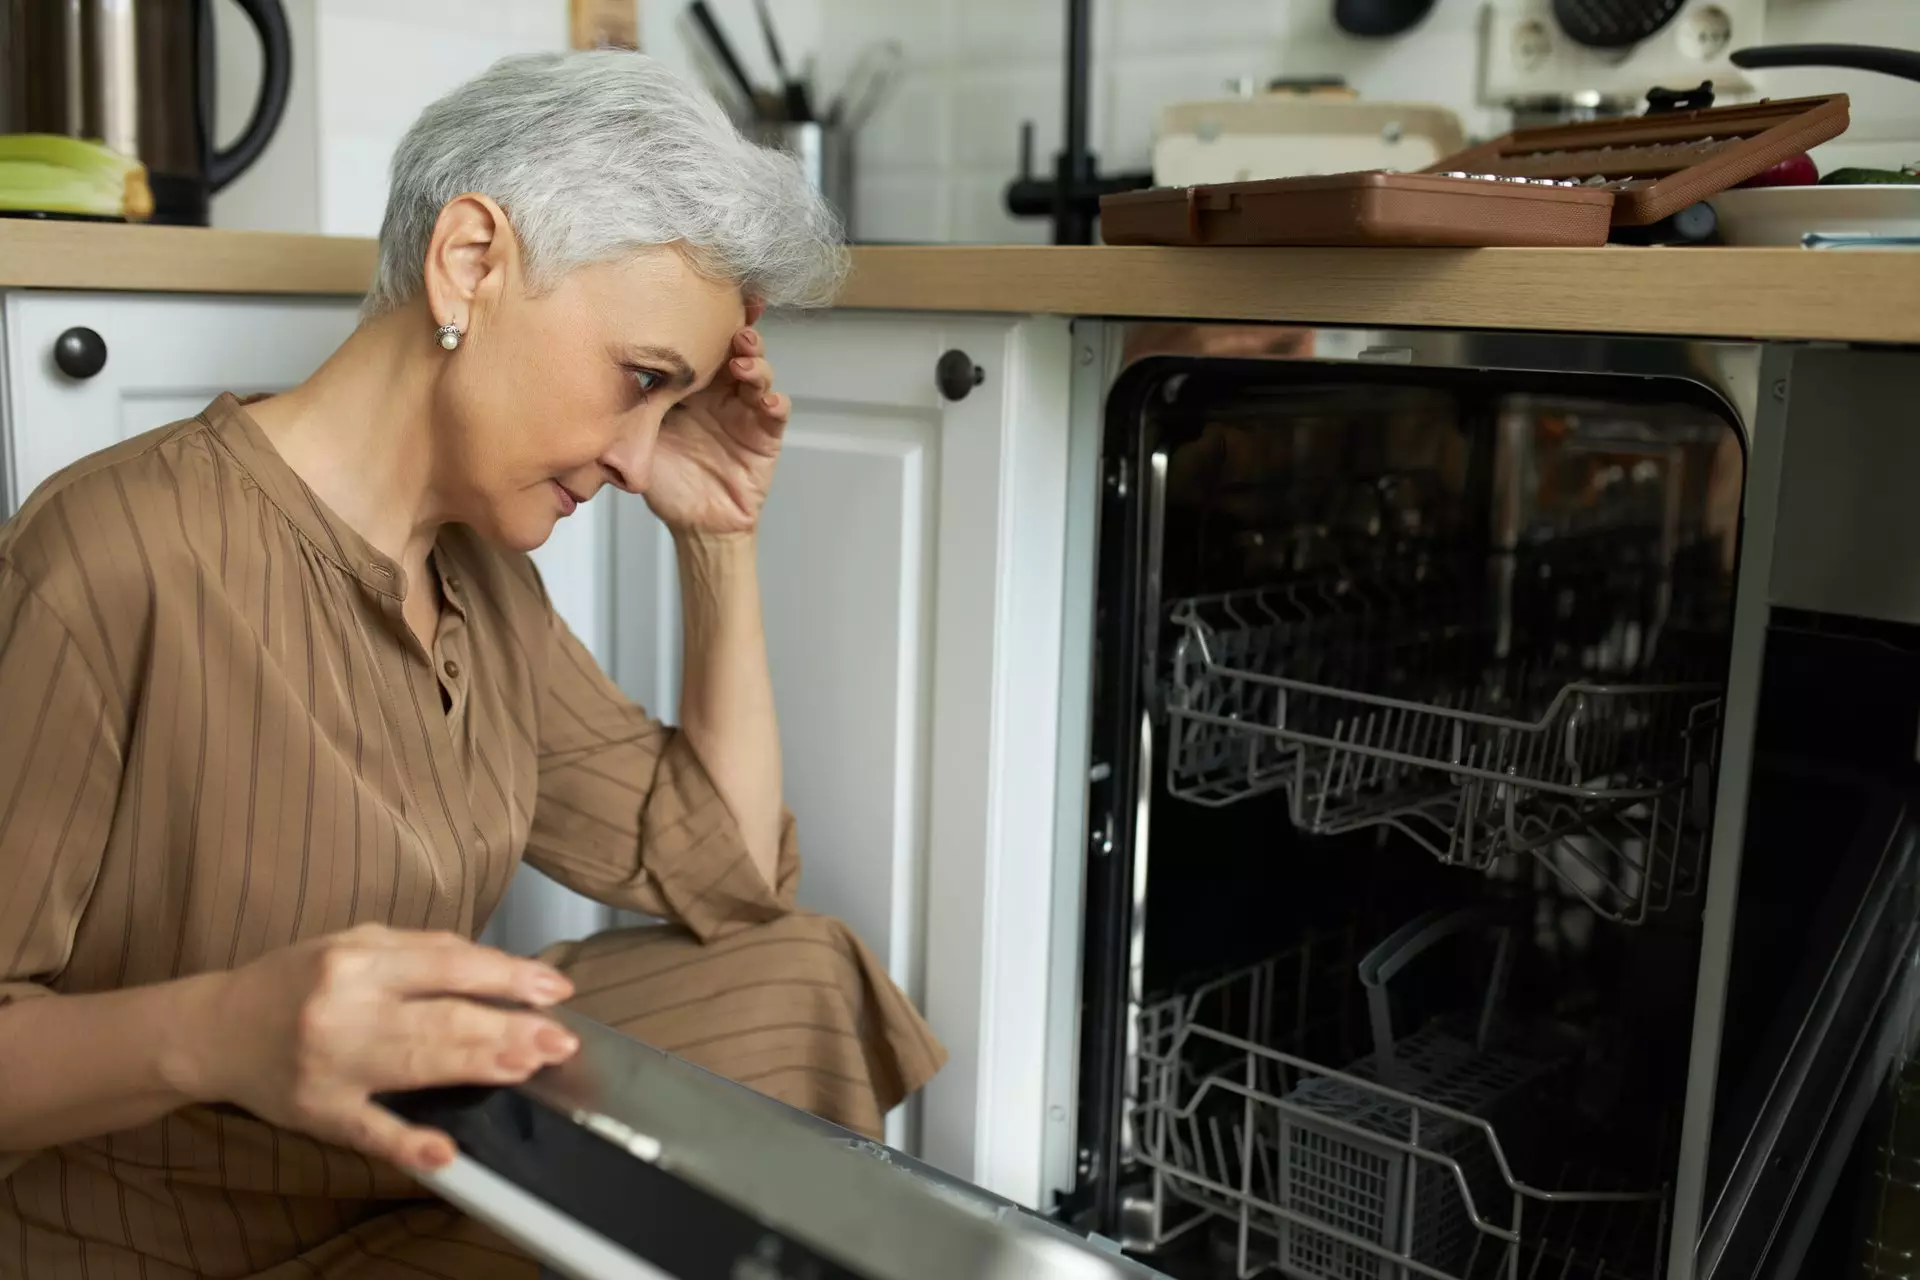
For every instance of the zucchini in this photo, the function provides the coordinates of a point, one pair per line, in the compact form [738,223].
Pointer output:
[1858,177]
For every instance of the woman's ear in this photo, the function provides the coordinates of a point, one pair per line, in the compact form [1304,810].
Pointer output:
[471,256]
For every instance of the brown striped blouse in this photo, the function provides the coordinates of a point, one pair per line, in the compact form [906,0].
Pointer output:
[220,737]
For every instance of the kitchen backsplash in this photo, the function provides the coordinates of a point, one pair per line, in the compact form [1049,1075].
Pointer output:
[935,162]
[363,69]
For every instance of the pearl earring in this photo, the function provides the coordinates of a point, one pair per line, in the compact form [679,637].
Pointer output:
[448,336]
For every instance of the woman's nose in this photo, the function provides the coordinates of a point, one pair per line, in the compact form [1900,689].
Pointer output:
[629,461]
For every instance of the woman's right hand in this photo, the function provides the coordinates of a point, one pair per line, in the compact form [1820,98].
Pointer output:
[304,1037]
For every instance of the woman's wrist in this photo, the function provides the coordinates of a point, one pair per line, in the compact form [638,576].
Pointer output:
[704,542]
[707,559]
[190,1038]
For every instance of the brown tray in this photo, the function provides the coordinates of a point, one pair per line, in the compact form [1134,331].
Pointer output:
[1656,165]
[1563,186]
[1375,208]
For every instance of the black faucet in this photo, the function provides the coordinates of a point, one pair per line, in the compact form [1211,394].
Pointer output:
[1072,196]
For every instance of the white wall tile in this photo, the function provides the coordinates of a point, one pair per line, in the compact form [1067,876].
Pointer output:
[912,129]
[979,214]
[1000,31]
[926,30]
[281,191]
[911,207]
[1177,26]
[381,62]
[989,107]
[353,184]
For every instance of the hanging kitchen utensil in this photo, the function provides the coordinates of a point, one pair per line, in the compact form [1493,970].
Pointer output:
[1904,63]
[1379,17]
[721,48]
[874,74]
[793,92]
[1613,24]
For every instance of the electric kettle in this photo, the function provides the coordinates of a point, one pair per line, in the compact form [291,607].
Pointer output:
[138,75]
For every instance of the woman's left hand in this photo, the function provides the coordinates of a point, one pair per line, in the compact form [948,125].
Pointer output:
[717,448]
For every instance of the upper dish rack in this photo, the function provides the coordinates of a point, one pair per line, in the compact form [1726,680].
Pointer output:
[1577,724]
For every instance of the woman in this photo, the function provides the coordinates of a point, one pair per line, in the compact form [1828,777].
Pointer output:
[287,706]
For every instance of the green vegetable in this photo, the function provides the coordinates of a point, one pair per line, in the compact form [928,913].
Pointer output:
[56,174]
[1872,177]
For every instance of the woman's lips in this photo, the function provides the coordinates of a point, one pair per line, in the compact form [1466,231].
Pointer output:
[568,503]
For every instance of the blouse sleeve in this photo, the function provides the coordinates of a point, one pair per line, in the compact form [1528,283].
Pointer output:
[627,815]
[59,778]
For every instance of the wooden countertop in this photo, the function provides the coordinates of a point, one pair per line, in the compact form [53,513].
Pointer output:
[1834,295]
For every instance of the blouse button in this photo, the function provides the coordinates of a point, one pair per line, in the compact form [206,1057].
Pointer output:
[452,669]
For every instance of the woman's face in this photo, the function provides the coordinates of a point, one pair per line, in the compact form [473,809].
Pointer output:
[551,396]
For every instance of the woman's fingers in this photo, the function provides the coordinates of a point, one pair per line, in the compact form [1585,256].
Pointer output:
[429,1043]
[752,372]
[436,968]
[375,1131]
[775,409]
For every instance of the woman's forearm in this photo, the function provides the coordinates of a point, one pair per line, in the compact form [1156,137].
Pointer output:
[76,1067]
[726,692]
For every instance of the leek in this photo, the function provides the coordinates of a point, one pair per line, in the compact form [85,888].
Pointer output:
[51,173]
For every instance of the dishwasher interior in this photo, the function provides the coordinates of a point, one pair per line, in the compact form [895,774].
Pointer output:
[1410,686]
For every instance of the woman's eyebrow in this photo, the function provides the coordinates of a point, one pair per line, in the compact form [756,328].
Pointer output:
[675,364]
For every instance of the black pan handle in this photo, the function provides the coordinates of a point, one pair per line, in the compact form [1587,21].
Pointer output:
[1904,63]
[276,82]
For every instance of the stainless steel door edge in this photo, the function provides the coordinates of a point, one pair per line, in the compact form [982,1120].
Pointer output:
[565,1246]
[875,1210]
[1845,1014]
[1730,370]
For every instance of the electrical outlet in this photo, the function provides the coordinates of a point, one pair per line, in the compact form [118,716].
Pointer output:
[1525,54]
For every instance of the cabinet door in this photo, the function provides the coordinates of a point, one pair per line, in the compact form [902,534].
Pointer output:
[168,355]
[910,559]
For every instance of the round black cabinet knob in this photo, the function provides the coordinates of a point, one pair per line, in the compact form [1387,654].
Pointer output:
[956,374]
[80,352]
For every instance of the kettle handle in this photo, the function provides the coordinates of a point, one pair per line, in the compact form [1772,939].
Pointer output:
[276,81]
[1850,57]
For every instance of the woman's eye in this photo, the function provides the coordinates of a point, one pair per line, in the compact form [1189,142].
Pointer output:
[646,379]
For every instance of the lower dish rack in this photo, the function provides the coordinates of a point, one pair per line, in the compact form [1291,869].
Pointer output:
[1390,716]
[1388,1168]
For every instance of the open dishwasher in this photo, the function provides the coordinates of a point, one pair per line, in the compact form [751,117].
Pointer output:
[1434,715]
[1497,854]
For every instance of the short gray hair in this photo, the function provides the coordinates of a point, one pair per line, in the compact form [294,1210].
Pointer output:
[597,155]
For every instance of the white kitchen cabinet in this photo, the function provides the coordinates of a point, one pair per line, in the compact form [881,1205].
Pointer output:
[168,355]
[911,560]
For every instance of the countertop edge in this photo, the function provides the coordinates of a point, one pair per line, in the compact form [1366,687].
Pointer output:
[1737,294]
[144,259]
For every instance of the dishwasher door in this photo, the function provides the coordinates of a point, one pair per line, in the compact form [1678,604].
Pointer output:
[1824,987]
[629,1164]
